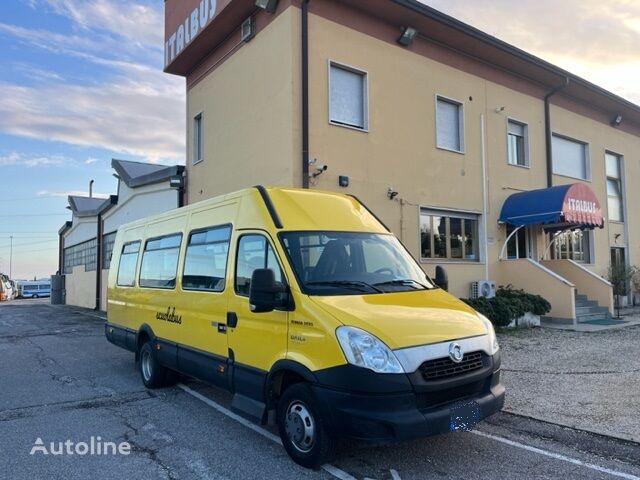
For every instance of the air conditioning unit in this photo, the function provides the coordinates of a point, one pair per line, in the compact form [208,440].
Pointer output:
[483,288]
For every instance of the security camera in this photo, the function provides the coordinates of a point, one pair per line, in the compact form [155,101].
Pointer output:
[319,168]
[391,193]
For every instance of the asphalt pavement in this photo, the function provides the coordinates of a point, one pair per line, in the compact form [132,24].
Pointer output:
[61,381]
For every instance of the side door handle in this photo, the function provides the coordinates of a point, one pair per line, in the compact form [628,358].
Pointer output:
[232,319]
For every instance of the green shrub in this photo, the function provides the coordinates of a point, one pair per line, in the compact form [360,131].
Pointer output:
[509,304]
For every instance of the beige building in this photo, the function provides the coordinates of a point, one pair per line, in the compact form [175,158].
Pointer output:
[86,242]
[430,122]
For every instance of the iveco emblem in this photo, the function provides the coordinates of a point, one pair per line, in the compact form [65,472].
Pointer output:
[455,352]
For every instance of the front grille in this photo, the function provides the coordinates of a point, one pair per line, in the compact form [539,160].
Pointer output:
[445,367]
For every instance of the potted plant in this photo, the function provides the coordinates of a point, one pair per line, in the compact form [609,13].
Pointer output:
[619,276]
[635,281]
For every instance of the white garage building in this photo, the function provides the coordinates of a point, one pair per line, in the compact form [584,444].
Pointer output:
[86,241]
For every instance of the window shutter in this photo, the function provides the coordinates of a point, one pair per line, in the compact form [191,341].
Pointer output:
[569,157]
[448,125]
[347,97]
[516,128]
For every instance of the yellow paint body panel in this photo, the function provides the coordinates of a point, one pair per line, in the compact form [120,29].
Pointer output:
[306,334]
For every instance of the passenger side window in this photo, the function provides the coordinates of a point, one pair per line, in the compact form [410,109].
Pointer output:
[127,267]
[205,263]
[160,262]
[254,251]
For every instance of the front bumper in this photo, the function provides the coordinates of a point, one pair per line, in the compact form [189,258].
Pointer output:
[385,417]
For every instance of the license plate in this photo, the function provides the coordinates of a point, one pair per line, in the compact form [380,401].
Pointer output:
[464,416]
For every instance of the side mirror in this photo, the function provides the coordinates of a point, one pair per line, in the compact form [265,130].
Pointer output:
[266,294]
[442,279]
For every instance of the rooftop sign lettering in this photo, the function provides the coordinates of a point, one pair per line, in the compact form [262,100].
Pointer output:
[189,28]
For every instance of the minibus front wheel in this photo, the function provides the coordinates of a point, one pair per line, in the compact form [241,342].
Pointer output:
[302,429]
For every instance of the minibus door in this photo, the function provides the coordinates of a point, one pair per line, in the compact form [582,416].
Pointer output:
[256,340]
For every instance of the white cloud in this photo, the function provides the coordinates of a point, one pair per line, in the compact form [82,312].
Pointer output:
[15,158]
[73,193]
[136,109]
[140,23]
[593,39]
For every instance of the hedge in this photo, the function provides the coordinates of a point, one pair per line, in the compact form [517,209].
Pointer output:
[508,304]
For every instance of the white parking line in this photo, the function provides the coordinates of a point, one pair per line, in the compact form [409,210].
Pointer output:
[557,456]
[335,471]
[342,475]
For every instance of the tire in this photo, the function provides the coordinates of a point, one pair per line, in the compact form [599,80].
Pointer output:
[309,446]
[153,374]
[34,296]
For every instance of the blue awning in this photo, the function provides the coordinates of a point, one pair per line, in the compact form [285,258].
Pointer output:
[573,204]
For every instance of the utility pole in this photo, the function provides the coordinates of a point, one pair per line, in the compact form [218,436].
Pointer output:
[10,256]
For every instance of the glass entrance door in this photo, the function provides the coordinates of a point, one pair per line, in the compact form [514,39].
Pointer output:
[520,244]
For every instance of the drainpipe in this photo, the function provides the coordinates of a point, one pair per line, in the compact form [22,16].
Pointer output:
[547,129]
[304,41]
[99,262]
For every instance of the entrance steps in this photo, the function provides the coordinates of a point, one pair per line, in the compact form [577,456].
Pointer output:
[588,310]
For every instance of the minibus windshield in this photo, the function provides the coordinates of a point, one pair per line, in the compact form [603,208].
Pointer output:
[342,263]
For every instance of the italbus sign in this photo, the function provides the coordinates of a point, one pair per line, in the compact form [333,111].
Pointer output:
[581,206]
[184,20]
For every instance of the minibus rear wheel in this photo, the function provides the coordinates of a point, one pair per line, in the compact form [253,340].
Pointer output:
[153,374]
[302,429]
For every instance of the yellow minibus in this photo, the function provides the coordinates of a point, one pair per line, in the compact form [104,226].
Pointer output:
[309,311]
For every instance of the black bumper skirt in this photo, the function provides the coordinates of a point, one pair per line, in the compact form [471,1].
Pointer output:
[396,416]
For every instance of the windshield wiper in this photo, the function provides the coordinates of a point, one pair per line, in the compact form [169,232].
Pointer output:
[347,283]
[403,281]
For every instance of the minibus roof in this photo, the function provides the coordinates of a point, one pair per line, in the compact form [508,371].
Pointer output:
[286,209]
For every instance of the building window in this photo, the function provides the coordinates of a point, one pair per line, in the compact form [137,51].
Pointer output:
[348,97]
[449,124]
[519,245]
[254,252]
[160,262]
[570,157]
[84,253]
[451,236]
[107,249]
[198,141]
[517,143]
[573,245]
[614,187]
[127,266]
[205,263]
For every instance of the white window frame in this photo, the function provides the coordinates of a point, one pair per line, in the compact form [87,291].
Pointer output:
[623,197]
[525,127]
[460,122]
[587,155]
[365,95]
[194,141]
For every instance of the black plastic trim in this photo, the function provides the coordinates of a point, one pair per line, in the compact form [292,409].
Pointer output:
[269,204]
[371,212]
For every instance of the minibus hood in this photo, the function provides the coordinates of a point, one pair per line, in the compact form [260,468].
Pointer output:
[405,319]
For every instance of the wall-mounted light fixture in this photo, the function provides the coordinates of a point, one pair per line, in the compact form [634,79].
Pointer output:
[247,30]
[407,36]
[267,5]
[617,120]
[176,181]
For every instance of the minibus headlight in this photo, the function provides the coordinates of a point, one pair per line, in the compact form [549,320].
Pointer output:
[493,340]
[365,350]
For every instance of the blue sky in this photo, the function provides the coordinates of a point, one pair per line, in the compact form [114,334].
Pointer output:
[81,82]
